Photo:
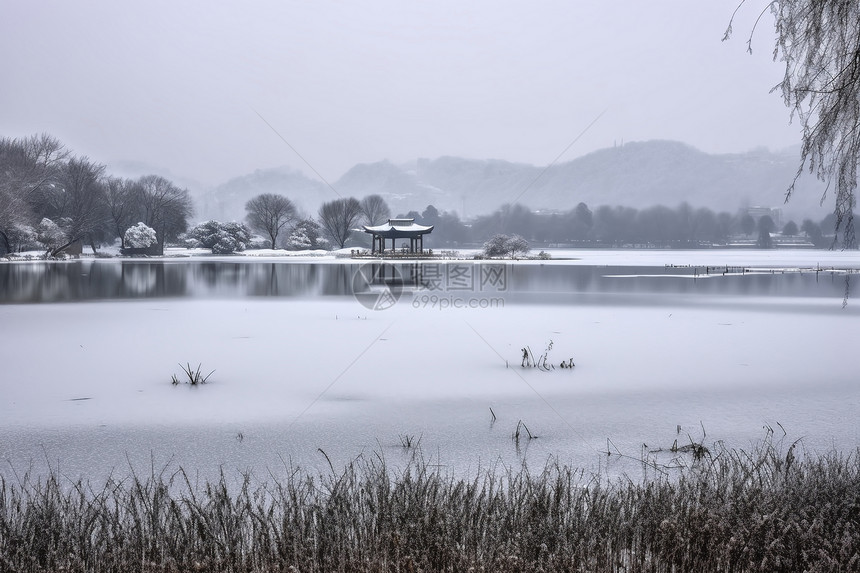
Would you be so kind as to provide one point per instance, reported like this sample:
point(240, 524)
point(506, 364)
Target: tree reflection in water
point(81, 280)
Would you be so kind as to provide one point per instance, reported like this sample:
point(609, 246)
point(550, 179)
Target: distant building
point(759, 212)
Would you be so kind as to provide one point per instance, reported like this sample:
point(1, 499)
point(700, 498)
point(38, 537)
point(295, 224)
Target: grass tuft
point(408, 441)
point(191, 376)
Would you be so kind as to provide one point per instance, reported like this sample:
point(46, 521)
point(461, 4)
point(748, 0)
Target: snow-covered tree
point(202, 235)
point(495, 247)
point(517, 245)
point(503, 246)
point(20, 237)
point(299, 239)
point(49, 234)
point(306, 235)
point(222, 238)
point(139, 236)
point(234, 238)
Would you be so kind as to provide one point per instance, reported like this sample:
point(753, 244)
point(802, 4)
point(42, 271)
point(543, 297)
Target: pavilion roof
point(398, 228)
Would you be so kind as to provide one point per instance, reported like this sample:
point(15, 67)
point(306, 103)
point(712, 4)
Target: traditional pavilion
point(398, 229)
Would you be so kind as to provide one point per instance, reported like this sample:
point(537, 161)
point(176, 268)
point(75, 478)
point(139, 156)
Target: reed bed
point(732, 511)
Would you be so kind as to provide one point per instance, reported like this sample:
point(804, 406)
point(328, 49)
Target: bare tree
point(123, 205)
point(270, 213)
point(77, 202)
point(375, 210)
point(165, 207)
point(13, 207)
point(28, 167)
point(337, 219)
point(13, 214)
point(31, 164)
point(819, 41)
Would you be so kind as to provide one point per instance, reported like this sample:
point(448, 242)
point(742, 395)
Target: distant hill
point(227, 201)
point(136, 169)
point(638, 174)
point(667, 172)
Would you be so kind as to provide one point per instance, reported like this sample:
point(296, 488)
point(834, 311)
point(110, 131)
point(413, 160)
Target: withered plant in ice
point(191, 376)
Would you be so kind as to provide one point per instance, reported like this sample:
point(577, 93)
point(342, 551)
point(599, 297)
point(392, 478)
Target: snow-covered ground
point(87, 385)
point(801, 258)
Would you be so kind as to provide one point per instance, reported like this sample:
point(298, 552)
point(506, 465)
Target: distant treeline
point(659, 226)
point(53, 200)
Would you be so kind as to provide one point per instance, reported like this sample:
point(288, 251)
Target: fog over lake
point(300, 365)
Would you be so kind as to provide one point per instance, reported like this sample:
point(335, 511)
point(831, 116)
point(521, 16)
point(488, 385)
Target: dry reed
point(733, 511)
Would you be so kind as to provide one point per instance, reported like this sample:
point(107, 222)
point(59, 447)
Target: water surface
point(301, 366)
point(86, 280)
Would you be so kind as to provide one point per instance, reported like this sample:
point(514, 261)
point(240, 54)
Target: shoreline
point(701, 258)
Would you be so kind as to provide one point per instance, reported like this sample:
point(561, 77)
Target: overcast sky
point(183, 85)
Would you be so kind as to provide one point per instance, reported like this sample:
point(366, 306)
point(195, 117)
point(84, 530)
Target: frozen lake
point(731, 343)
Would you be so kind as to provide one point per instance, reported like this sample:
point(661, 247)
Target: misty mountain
point(226, 202)
point(638, 174)
point(666, 172)
point(136, 169)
